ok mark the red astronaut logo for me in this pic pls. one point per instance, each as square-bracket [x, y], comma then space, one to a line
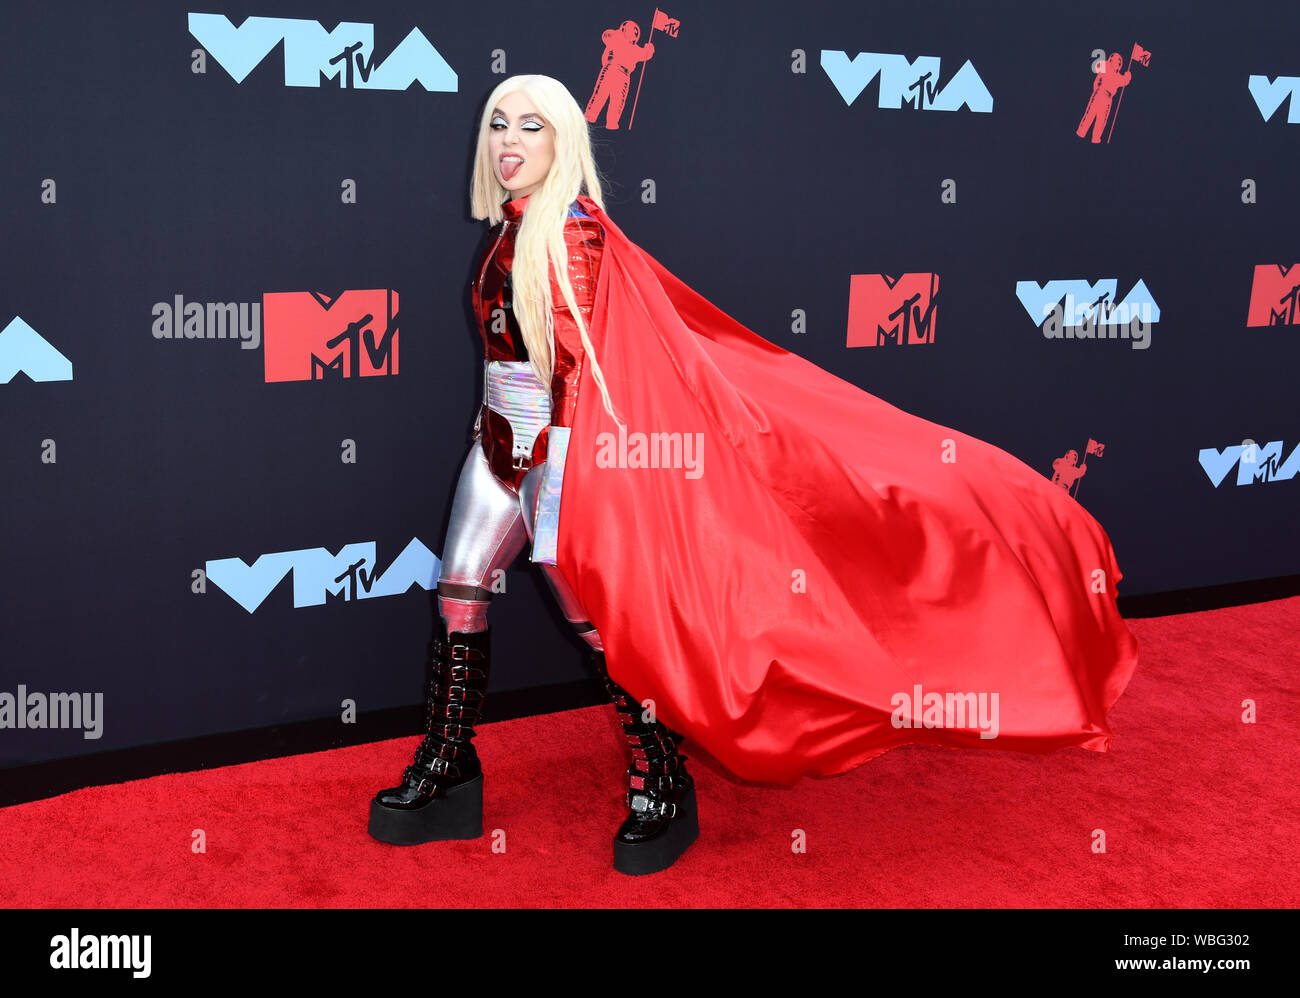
[1109, 82]
[623, 54]
[1068, 470]
[319, 335]
[892, 311]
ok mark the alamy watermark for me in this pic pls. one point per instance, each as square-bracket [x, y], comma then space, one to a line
[213, 320]
[946, 710]
[53, 710]
[1099, 320]
[76, 951]
[651, 450]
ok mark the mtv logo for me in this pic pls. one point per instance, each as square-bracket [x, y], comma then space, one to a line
[1273, 294]
[317, 335]
[892, 311]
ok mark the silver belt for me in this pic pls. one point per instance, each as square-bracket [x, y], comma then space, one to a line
[511, 388]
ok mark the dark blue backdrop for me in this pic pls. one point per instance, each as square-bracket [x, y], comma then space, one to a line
[746, 173]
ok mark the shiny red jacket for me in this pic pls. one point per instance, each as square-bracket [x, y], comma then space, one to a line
[502, 339]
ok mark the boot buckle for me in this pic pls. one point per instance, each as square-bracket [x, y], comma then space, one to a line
[432, 785]
[442, 767]
[644, 804]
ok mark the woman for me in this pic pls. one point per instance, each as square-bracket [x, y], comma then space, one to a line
[793, 573]
[530, 391]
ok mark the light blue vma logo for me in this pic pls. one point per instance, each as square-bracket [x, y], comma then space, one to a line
[22, 348]
[1085, 300]
[352, 574]
[347, 53]
[1254, 462]
[904, 83]
[1269, 95]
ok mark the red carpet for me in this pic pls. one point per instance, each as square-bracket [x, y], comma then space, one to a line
[1198, 809]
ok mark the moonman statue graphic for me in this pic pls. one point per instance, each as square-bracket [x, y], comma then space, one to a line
[621, 55]
[1067, 470]
[1105, 85]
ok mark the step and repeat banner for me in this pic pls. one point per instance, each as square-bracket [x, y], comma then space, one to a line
[239, 371]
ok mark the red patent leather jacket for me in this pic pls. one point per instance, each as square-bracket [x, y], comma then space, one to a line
[502, 340]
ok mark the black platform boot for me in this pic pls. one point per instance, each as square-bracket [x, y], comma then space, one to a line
[661, 793]
[441, 795]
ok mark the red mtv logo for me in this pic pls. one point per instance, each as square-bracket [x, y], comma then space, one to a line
[884, 310]
[1273, 295]
[313, 335]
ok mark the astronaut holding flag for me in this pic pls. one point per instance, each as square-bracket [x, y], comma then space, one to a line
[1105, 85]
[621, 56]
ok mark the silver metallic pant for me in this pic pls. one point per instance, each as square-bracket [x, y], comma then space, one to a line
[490, 521]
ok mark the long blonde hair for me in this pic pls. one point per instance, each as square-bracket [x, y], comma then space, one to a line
[539, 244]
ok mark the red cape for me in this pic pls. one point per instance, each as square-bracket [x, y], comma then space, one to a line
[783, 607]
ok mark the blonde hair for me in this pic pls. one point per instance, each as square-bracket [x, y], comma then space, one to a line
[539, 244]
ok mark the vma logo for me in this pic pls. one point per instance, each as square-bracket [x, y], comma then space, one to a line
[1273, 295]
[906, 84]
[310, 52]
[1253, 463]
[351, 574]
[892, 311]
[1079, 310]
[23, 349]
[1269, 96]
[318, 335]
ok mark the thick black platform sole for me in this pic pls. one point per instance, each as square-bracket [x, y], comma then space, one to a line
[639, 858]
[459, 815]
